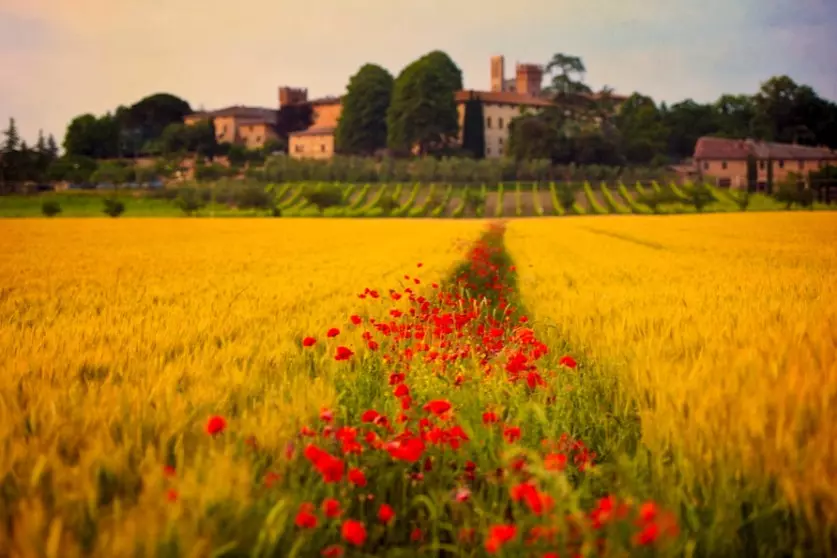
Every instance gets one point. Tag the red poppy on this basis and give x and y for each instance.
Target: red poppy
(356, 477)
(169, 471)
(437, 407)
(511, 434)
(355, 319)
(333, 551)
(305, 519)
(271, 478)
(555, 462)
(373, 345)
(386, 513)
(326, 415)
(331, 508)
(489, 417)
(343, 353)
(171, 495)
(333, 332)
(215, 425)
(648, 535)
(416, 535)
(353, 532)
(308, 341)
(568, 361)
(498, 535)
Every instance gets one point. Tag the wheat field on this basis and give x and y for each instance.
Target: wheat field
(120, 337)
(723, 329)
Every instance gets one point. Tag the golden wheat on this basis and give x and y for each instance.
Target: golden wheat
(119, 338)
(724, 328)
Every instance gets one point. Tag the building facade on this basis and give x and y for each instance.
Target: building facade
(251, 127)
(724, 160)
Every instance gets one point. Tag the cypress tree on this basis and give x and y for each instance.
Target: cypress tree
(752, 173)
(769, 175)
(473, 131)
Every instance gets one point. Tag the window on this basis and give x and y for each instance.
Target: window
(801, 165)
(258, 139)
(724, 182)
(706, 165)
(781, 164)
(724, 165)
(488, 122)
(762, 165)
(488, 151)
(500, 123)
(299, 148)
(322, 148)
(501, 141)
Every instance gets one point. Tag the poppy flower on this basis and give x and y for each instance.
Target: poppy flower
(305, 519)
(343, 353)
(353, 532)
(437, 407)
(386, 513)
(171, 495)
(370, 416)
(271, 478)
(356, 477)
(333, 332)
(331, 508)
(215, 425)
(308, 342)
(511, 434)
(489, 417)
(568, 361)
(333, 551)
(169, 471)
(498, 535)
(355, 319)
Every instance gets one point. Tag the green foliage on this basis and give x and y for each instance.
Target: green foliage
(111, 172)
(610, 202)
(212, 171)
(323, 196)
(423, 110)
(473, 128)
(189, 200)
(566, 196)
(592, 202)
(50, 208)
(113, 207)
(362, 126)
(699, 196)
(741, 199)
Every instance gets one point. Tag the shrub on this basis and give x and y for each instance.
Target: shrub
(566, 196)
(698, 195)
(388, 203)
(253, 196)
(50, 208)
(742, 199)
(113, 207)
(189, 200)
(323, 196)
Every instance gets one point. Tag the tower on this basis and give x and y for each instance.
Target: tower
(292, 96)
(529, 78)
(498, 72)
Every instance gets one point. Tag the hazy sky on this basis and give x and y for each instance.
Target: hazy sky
(61, 58)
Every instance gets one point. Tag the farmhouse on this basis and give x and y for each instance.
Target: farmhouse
(248, 126)
(725, 160)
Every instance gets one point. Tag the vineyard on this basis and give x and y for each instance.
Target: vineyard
(610, 386)
(434, 200)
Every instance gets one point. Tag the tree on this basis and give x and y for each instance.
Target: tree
(89, 136)
(685, 122)
(734, 116)
(423, 110)
(362, 126)
(473, 128)
(293, 118)
(11, 143)
(174, 138)
(642, 129)
(152, 114)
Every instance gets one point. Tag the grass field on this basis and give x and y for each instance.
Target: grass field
(371, 200)
(611, 386)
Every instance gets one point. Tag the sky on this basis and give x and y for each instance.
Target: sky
(62, 58)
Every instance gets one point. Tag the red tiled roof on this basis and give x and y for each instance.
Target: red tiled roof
(503, 98)
(721, 148)
(238, 111)
(315, 131)
(791, 151)
(731, 149)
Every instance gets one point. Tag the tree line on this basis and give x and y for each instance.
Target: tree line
(415, 112)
